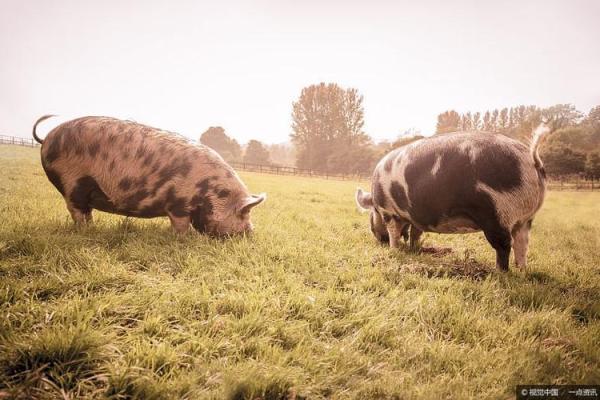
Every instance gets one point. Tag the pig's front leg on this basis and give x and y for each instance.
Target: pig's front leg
(415, 236)
(396, 229)
(180, 224)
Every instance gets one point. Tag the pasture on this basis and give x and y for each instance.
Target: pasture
(309, 307)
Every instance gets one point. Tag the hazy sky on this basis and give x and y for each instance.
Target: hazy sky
(185, 66)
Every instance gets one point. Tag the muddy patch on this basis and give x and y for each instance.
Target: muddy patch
(436, 251)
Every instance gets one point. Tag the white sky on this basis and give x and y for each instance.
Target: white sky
(184, 66)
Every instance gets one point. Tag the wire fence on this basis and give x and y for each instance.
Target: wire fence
(570, 183)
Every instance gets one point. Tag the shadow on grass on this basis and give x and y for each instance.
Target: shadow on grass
(536, 290)
(469, 269)
(527, 290)
(63, 360)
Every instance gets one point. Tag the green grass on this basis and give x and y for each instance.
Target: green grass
(309, 307)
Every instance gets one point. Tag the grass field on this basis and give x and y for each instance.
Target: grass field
(310, 307)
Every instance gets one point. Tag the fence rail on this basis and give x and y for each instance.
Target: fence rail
(4, 139)
(293, 171)
(569, 184)
(576, 184)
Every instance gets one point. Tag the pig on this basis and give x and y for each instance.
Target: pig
(458, 183)
(134, 170)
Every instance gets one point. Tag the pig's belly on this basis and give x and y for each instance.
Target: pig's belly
(100, 201)
(455, 225)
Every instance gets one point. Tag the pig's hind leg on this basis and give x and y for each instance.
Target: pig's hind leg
(520, 235)
(79, 198)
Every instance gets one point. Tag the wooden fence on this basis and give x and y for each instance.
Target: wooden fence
(284, 170)
(18, 141)
(572, 183)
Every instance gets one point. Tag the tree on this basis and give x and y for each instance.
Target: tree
(215, 138)
(494, 121)
(404, 140)
(327, 119)
(448, 121)
(487, 126)
(256, 153)
(563, 160)
(592, 124)
(593, 118)
(466, 123)
(561, 116)
(503, 121)
(353, 160)
(476, 122)
(282, 154)
(592, 165)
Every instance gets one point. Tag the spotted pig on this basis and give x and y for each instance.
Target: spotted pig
(130, 169)
(458, 183)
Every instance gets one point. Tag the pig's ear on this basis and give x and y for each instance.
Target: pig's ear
(364, 200)
(249, 202)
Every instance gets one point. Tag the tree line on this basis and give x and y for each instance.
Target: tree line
(255, 152)
(328, 134)
(572, 147)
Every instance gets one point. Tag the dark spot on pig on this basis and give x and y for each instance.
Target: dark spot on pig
(111, 166)
(201, 215)
(140, 151)
(54, 146)
(498, 168)
(125, 154)
(399, 195)
(93, 149)
(184, 168)
(451, 192)
(148, 159)
(132, 202)
(54, 178)
(223, 193)
(125, 183)
(204, 186)
(175, 205)
(104, 155)
(78, 149)
(87, 194)
(378, 195)
(154, 209)
(420, 168)
(168, 172)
